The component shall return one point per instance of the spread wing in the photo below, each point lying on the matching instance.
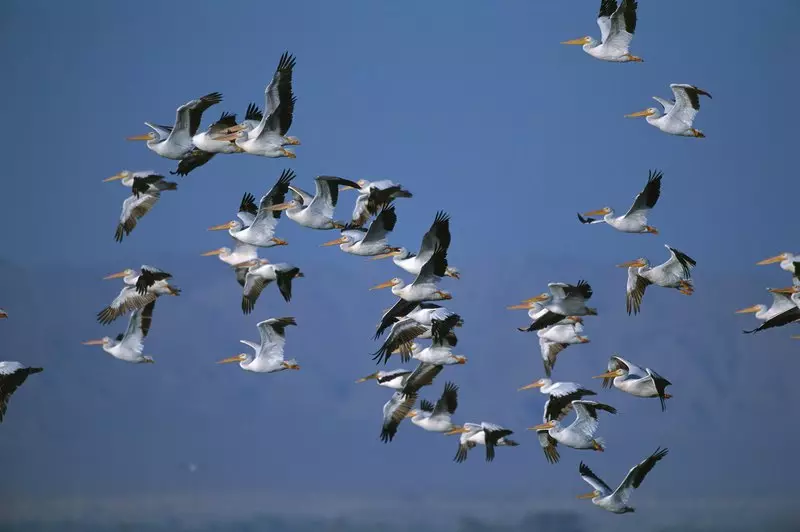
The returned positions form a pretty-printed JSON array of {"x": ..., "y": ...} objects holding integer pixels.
[
  {"x": 623, "y": 25},
  {"x": 437, "y": 236},
  {"x": 422, "y": 375},
  {"x": 647, "y": 198},
  {"x": 134, "y": 208},
  {"x": 394, "y": 412},
  {"x": 687, "y": 102},
  {"x": 634, "y": 290},
  {"x": 401, "y": 336},
  {"x": 382, "y": 225},
  {"x": 400, "y": 309},
  {"x": 273, "y": 336},
  {"x": 607, "y": 9},
  {"x": 448, "y": 402},
  {"x": 637, "y": 473},
  {"x": 128, "y": 300},
  {"x": 593, "y": 480}
]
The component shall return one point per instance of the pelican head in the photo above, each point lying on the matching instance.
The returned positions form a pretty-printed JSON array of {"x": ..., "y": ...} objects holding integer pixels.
[
  {"x": 650, "y": 111},
  {"x": 537, "y": 384},
  {"x": 600, "y": 212},
  {"x": 224, "y": 252},
  {"x": 105, "y": 340},
  {"x": 581, "y": 41},
  {"x": 591, "y": 495},
  {"x": 530, "y": 302},
  {"x": 344, "y": 239},
  {"x": 391, "y": 283},
  {"x": 544, "y": 426},
  {"x": 611, "y": 374},
  {"x": 290, "y": 364},
  {"x": 237, "y": 358},
  {"x": 368, "y": 377},
  {"x": 292, "y": 204},
  {"x": 754, "y": 308},
  {"x": 227, "y": 226},
  {"x": 641, "y": 262},
  {"x": 123, "y": 273},
  {"x": 777, "y": 258},
  {"x": 125, "y": 174}
]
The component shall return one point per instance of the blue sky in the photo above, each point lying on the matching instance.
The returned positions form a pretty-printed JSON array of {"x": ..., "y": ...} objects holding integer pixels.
[{"x": 477, "y": 110}]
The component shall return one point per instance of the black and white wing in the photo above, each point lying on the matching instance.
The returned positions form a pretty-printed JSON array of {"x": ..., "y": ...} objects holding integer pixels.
[
  {"x": 248, "y": 210},
  {"x": 423, "y": 375},
  {"x": 148, "y": 276},
  {"x": 434, "y": 268},
  {"x": 549, "y": 446},
  {"x": 637, "y": 473},
  {"x": 383, "y": 224},
  {"x": 253, "y": 286},
  {"x": 647, "y": 198},
  {"x": 138, "y": 327},
  {"x": 438, "y": 235},
  {"x": 266, "y": 219},
  {"x": 593, "y": 480},
  {"x": 327, "y": 194},
  {"x": 394, "y": 412},
  {"x": 401, "y": 336},
  {"x": 634, "y": 290},
  {"x": 189, "y": 115},
  {"x": 400, "y": 309},
  {"x": 134, "y": 208},
  {"x": 493, "y": 434},
  {"x": 560, "y": 402},
  {"x": 448, "y": 402},
  {"x": 273, "y": 337},
  {"x": 586, "y": 412},
  {"x": 660, "y": 383},
  {"x": 679, "y": 263},
  {"x": 550, "y": 351},
  {"x": 687, "y": 102},
  {"x": 128, "y": 300},
  {"x": 622, "y": 26},
  {"x": 12, "y": 375}
]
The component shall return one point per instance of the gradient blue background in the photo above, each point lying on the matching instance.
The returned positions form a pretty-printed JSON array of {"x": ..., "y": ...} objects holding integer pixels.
[{"x": 477, "y": 109}]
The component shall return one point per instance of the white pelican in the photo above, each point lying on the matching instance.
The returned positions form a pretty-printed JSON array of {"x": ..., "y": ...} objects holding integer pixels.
[
  {"x": 580, "y": 433},
  {"x": 791, "y": 315},
  {"x": 560, "y": 396},
  {"x": 269, "y": 136},
  {"x": 394, "y": 379},
  {"x": 260, "y": 273},
  {"x": 259, "y": 229},
  {"x": 138, "y": 292},
  {"x": 150, "y": 280},
  {"x": 616, "y": 32},
  {"x": 437, "y": 236},
  {"x": 372, "y": 195},
  {"x": 128, "y": 347},
  {"x": 146, "y": 188},
  {"x": 781, "y": 302},
  {"x": 437, "y": 418},
  {"x": 487, "y": 434},
  {"x": 315, "y": 212},
  {"x": 372, "y": 242},
  {"x": 269, "y": 354},
  {"x": 635, "y": 220},
  {"x": 617, "y": 501},
  {"x": 443, "y": 342},
  {"x": 208, "y": 140},
  {"x": 176, "y": 142},
  {"x": 562, "y": 301},
  {"x": 423, "y": 288},
  {"x": 635, "y": 380},
  {"x": 788, "y": 262},
  {"x": 12, "y": 375},
  {"x": 680, "y": 117},
  {"x": 417, "y": 324},
  {"x": 395, "y": 411},
  {"x": 674, "y": 273}
]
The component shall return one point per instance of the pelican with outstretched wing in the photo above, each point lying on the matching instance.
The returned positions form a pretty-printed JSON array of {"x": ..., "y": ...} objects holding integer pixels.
[
  {"x": 372, "y": 195},
  {"x": 789, "y": 262},
  {"x": 260, "y": 273},
  {"x": 128, "y": 346},
  {"x": 424, "y": 287},
  {"x": 437, "y": 417},
  {"x": 139, "y": 290},
  {"x": 781, "y": 302},
  {"x": 315, "y": 212},
  {"x": 616, "y": 501},
  {"x": 487, "y": 434},
  {"x": 680, "y": 117},
  {"x": 372, "y": 242},
  {"x": 580, "y": 434},
  {"x": 674, "y": 273},
  {"x": 268, "y": 357},
  {"x": 790, "y": 315},
  {"x": 634, "y": 380},
  {"x": 617, "y": 25},
  {"x": 635, "y": 220},
  {"x": 563, "y": 300}
]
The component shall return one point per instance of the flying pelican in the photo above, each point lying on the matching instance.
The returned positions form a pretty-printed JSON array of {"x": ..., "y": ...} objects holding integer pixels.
[
  {"x": 269, "y": 136},
  {"x": 128, "y": 347},
  {"x": 437, "y": 236},
  {"x": 680, "y": 117},
  {"x": 550, "y": 350},
  {"x": 208, "y": 141},
  {"x": 443, "y": 342},
  {"x": 562, "y": 301},
  {"x": 269, "y": 354},
  {"x": 12, "y": 375},
  {"x": 146, "y": 188},
  {"x": 617, "y": 501},
  {"x": 788, "y": 262},
  {"x": 781, "y": 302},
  {"x": 395, "y": 411},
  {"x": 417, "y": 324},
  {"x": 487, "y": 434},
  {"x": 635, "y": 380},
  {"x": 372, "y": 195},
  {"x": 560, "y": 396},
  {"x": 786, "y": 317},
  {"x": 138, "y": 292},
  {"x": 617, "y": 25},
  {"x": 260, "y": 273},
  {"x": 423, "y": 288},
  {"x": 580, "y": 433},
  {"x": 372, "y": 242},
  {"x": 674, "y": 273},
  {"x": 635, "y": 220},
  {"x": 315, "y": 212},
  {"x": 259, "y": 229},
  {"x": 437, "y": 418},
  {"x": 176, "y": 142}
]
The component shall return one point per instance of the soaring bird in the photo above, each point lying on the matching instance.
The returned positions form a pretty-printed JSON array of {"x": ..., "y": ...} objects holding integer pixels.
[
  {"x": 635, "y": 380},
  {"x": 268, "y": 356},
  {"x": 674, "y": 273},
  {"x": 315, "y": 212},
  {"x": 424, "y": 287},
  {"x": 437, "y": 417},
  {"x": 268, "y": 138},
  {"x": 372, "y": 195},
  {"x": 562, "y": 301},
  {"x": 176, "y": 142},
  {"x": 146, "y": 188},
  {"x": 12, "y": 375},
  {"x": 680, "y": 117},
  {"x": 616, "y": 501},
  {"x": 139, "y": 291},
  {"x": 617, "y": 25},
  {"x": 395, "y": 411},
  {"x": 437, "y": 236},
  {"x": 260, "y": 273},
  {"x": 128, "y": 346},
  {"x": 781, "y": 302},
  {"x": 635, "y": 220},
  {"x": 371, "y": 242},
  {"x": 487, "y": 434},
  {"x": 257, "y": 226},
  {"x": 580, "y": 433}
]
